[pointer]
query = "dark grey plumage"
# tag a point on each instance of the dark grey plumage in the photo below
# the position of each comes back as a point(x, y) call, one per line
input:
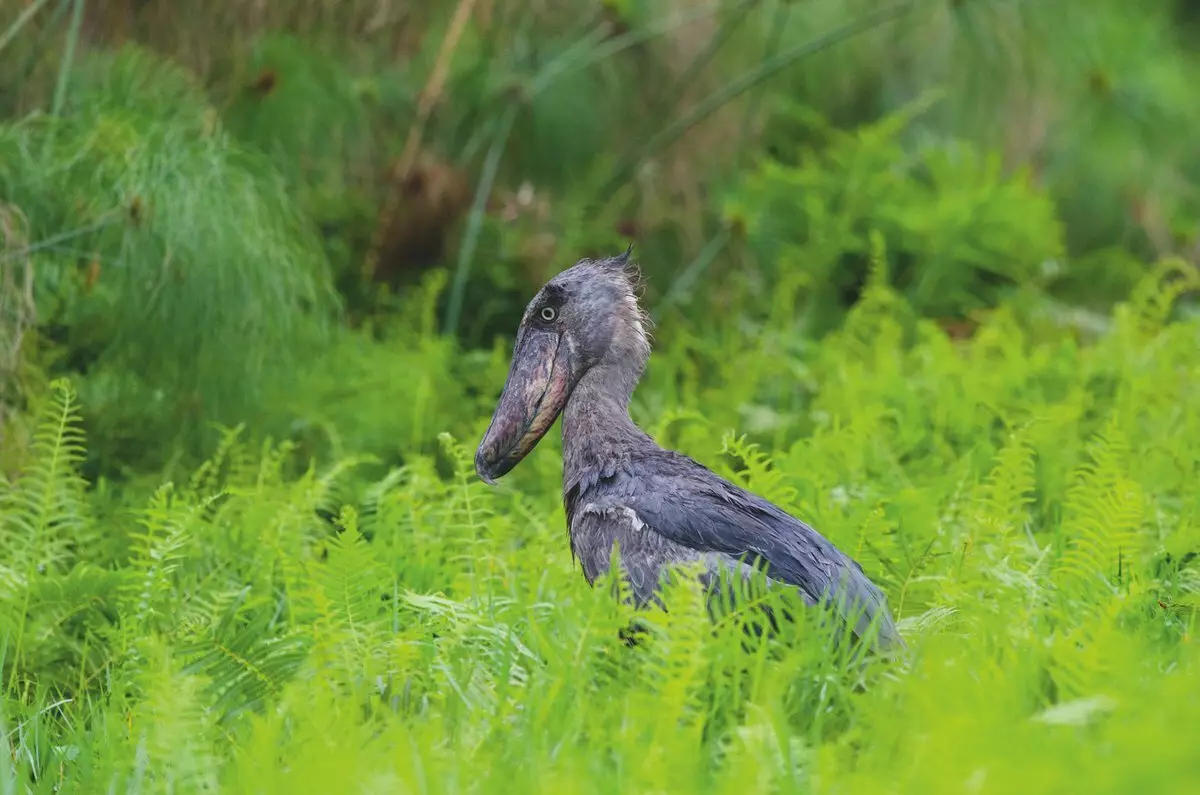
point(581, 348)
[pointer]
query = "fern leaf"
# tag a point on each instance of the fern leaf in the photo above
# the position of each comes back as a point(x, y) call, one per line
point(45, 507)
point(149, 598)
point(172, 727)
point(1104, 513)
point(758, 472)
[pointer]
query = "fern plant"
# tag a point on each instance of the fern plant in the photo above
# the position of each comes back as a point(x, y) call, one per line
point(46, 529)
point(1021, 496)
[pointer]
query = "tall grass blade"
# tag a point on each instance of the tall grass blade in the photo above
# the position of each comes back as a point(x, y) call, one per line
point(22, 19)
point(718, 99)
point(466, 253)
point(68, 58)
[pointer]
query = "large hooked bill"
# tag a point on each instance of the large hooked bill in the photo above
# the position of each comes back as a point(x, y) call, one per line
point(539, 382)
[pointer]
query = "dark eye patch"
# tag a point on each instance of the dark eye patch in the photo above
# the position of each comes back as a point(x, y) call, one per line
point(549, 308)
point(554, 295)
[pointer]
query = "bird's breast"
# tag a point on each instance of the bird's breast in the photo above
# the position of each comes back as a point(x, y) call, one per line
point(643, 554)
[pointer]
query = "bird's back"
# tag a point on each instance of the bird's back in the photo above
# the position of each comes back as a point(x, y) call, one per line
point(663, 508)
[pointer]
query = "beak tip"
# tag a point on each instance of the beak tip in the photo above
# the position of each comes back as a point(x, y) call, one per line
point(481, 468)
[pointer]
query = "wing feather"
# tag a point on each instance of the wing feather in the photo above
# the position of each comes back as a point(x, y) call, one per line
point(692, 506)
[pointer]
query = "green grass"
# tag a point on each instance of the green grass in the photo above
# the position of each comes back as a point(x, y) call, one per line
point(324, 598)
point(1026, 498)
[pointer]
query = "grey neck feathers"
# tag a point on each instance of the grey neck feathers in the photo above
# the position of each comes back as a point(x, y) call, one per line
point(596, 426)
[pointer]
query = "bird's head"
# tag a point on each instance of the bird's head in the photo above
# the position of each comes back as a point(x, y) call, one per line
point(584, 318)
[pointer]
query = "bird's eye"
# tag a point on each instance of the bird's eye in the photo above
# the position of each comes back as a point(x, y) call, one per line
point(549, 313)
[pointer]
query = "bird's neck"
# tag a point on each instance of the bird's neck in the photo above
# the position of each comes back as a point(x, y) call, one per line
point(596, 425)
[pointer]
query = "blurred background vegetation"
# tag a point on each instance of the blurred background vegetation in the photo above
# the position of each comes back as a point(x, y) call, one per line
point(197, 196)
point(320, 220)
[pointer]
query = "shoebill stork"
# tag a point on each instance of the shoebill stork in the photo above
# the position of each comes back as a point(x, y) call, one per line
point(580, 350)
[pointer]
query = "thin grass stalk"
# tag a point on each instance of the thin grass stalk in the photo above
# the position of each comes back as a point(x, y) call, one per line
point(432, 91)
point(429, 96)
point(563, 64)
point(113, 216)
point(681, 288)
point(35, 52)
point(68, 59)
point(675, 90)
point(755, 101)
point(21, 21)
point(482, 133)
point(18, 311)
point(466, 253)
point(718, 99)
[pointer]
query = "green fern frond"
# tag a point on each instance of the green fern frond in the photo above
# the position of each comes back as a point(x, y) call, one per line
point(242, 652)
point(1155, 296)
point(149, 600)
point(45, 507)
point(478, 656)
point(350, 577)
point(1009, 489)
point(223, 462)
point(468, 511)
point(1081, 656)
point(676, 664)
point(327, 487)
point(460, 456)
point(45, 519)
point(758, 472)
point(381, 502)
point(172, 727)
point(345, 596)
point(1104, 513)
point(872, 330)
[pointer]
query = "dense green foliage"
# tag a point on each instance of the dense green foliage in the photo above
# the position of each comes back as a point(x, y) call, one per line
point(923, 274)
point(1027, 500)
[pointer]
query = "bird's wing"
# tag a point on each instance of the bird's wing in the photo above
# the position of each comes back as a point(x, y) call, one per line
point(683, 501)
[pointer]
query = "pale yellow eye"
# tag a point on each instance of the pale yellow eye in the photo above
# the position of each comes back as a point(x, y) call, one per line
point(548, 313)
